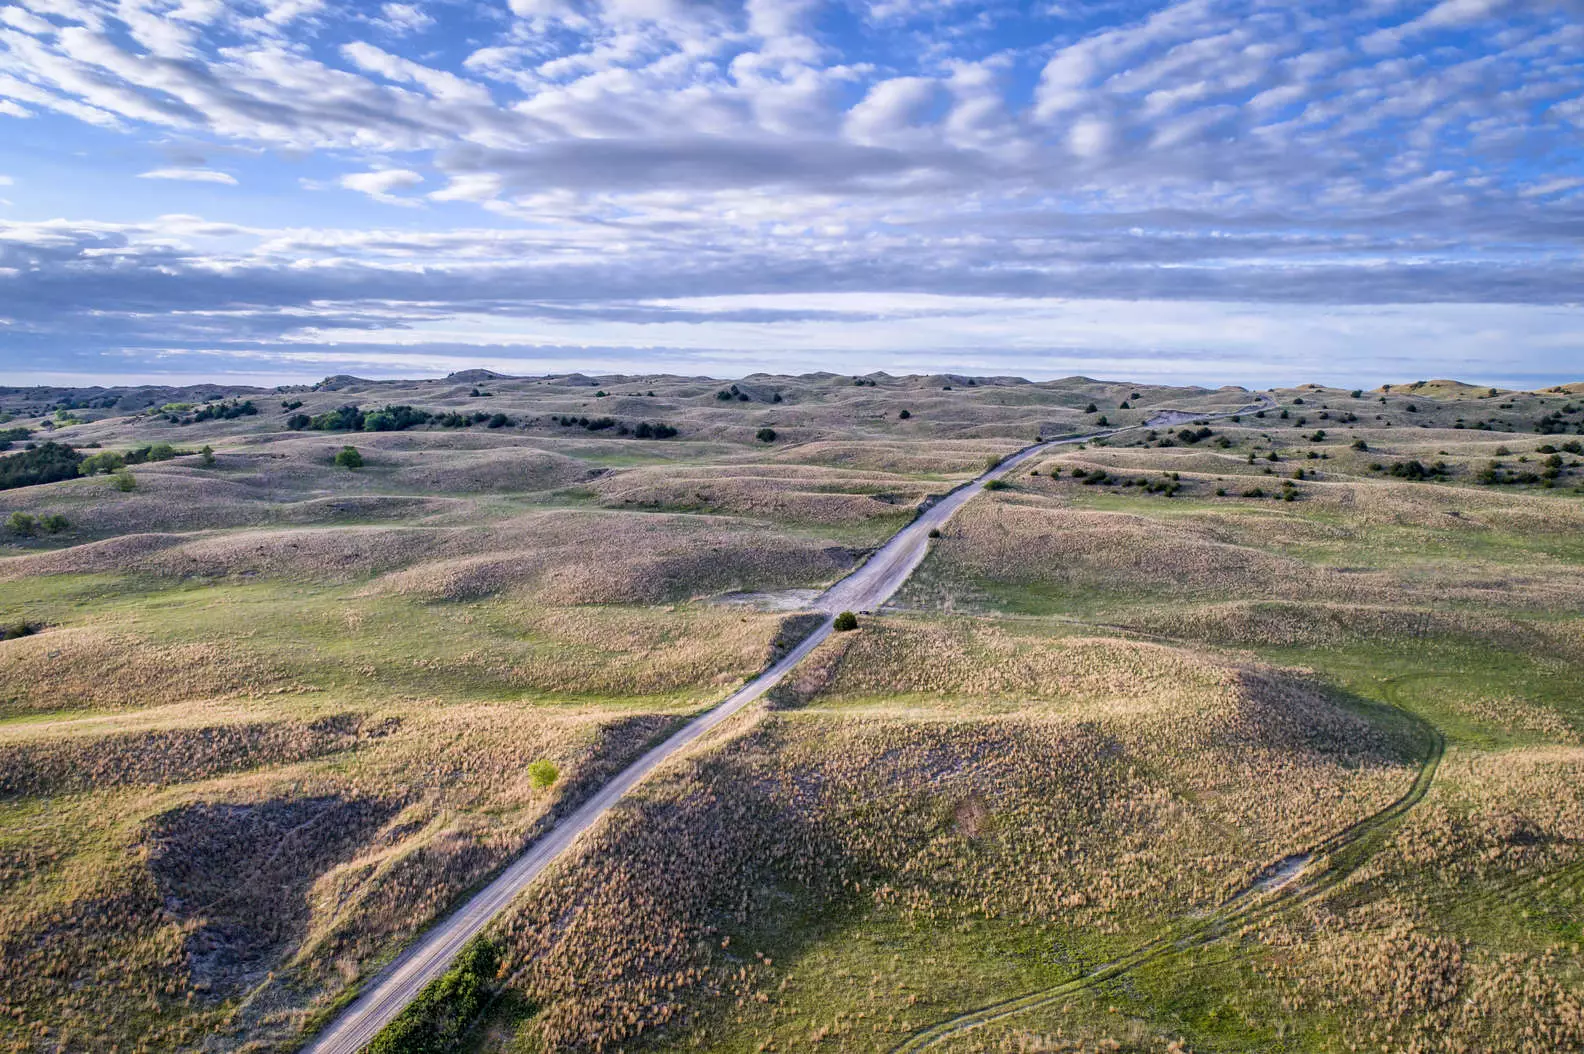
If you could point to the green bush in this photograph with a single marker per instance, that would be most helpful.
(766, 435)
(54, 523)
(348, 457)
(996, 484)
(45, 463)
(845, 622)
(22, 523)
(123, 481)
(207, 456)
(543, 773)
(934, 532)
(438, 1020)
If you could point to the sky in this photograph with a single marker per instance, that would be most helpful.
(1208, 191)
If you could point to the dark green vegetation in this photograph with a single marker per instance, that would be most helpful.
(443, 1014)
(1136, 758)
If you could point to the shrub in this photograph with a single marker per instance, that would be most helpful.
(1359, 444)
(297, 422)
(206, 456)
(1091, 408)
(22, 523)
(395, 419)
(222, 412)
(934, 532)
(13, 435)
(501, 421)
(766, 435)
(19, 628)
(46, 463)
(108, 461)
(996, 484)
(904, 415)
(440, 1017)
(846, 622)
(645, 430)
(344, 419)
(1101, 420)
(54, 523)
(124, 481)
(543, 773)
(348, 457)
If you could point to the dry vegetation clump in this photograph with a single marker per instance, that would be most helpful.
(1087, 555)
(774, 493)
(108, 555)
(1014, 541)
(1276, 623)
(157, 757)
(491, 469)
(1415, 952)
(587, 651)
(235, 875)
(936, 457)
(611, 557)
(76, 667)
(1131, 805)
(1138, 1040)
(1230, 726)
(230, 907)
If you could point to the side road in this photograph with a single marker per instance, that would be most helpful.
(865, 589)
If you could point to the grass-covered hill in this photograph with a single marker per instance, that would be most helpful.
(1237, 734)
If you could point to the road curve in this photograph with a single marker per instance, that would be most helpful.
(865, 589)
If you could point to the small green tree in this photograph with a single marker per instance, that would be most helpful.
(905, 414)
(543, 773)
(207, 456)
(348, 457)
(846, 622)
(766, 435)
(54, 523)
(22, 523)
(123, 480)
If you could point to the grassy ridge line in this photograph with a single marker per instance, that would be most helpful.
(421, 966)
(1339, 854)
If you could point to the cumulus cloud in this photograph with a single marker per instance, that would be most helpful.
(574, 163)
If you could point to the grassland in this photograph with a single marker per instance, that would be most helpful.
(1149, 751)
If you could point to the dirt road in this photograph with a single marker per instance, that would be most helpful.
(865, 589)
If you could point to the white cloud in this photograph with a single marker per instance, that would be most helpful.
(404, 18)
(191, 175)
(379, 184)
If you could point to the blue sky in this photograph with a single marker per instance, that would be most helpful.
(1212, 191)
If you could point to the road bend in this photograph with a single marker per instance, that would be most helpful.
(866, 589)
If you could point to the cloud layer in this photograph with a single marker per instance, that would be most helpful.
(663, 180)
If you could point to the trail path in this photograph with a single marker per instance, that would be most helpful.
(1284, 884)
(865, 589)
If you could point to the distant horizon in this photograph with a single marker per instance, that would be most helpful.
(1184, 190)
(185, 381)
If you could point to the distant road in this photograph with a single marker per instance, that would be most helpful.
(864, 590)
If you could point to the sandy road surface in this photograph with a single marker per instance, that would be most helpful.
(865, 589)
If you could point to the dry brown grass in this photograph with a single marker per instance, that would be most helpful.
(1497, 840)
(1112, 791)
(229, 905)
(79, 667)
